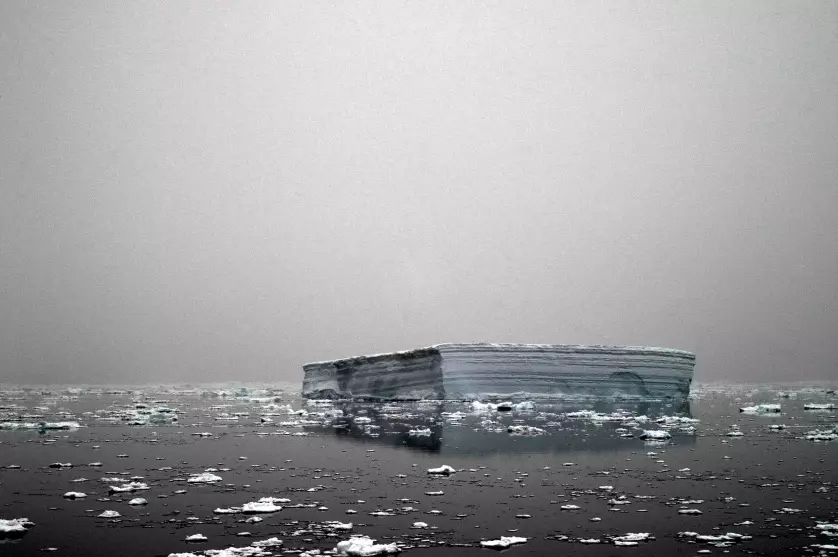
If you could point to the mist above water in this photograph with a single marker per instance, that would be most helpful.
(216, 193)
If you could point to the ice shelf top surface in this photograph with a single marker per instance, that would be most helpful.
(489, 346)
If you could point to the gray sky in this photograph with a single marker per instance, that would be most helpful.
(201, 191)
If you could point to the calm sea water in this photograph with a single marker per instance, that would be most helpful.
(571, 478)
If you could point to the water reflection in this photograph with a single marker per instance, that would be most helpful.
(470, 429)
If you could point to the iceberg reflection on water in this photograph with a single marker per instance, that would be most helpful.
(480, 428)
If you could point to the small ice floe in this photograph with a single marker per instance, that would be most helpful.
(631, 539)
(503, 542)
(128, 488)
(254, 519)
(337, 525)
(676, 421)
(689, 511)
(570, 507)
(265, 505)
(721, 540)
(734, 433)
(60, 465)
(820, 406)
(823, 435)
(434, 493)
(443, 470)
(14, 527)
(196, 538)
(270, 542)
(138, 501)
(525, 430)
(109, 514)
(43, 426)
(75, 495)
(788, 510)
(761, 409)
(777, 427)
(382, 513)
(204, 478)
(420, 432)
(419, 525)
(364, 546)
(655, 435)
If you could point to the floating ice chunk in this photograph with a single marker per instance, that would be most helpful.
(138, 501)
(337, 525)
(196, 538)
(260, 507)
(14, 527)
(503, 542)
(442, 470)
(526, 430)
(109, 514)
(419, 525)
(270, 542)
(434, 493)
(420, 432)
(75, 495)
(689, 511)
(569, 507)
(60, 465)
(589, 540)
(655, 434)
(524, 406)
(819, 406)
(363, 546)
(823, 435)
(128, 488)
(631, 538)
(40, 425)
(761, 409)
(205, 477)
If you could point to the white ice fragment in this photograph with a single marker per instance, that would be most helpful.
(128, 487)
(138, 501)
(196, 538)
(109, 514)
(820, 406)
(420, 432)
(442, 470)
(75, 495)
(526, 430)
(419, 525)
(655, 434)
(204, 477)
(503, 542)
(761, 409)
(260, 507)
(689, 511)
(363, 546)
(14, 526)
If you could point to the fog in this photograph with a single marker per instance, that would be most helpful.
(205, 191)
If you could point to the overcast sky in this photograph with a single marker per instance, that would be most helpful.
(205, 191)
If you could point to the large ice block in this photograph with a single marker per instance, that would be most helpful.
(483, 370)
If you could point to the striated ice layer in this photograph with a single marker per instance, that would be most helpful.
(476, 371)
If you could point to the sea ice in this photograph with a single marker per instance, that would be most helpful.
(15, 526)
(363, 546)
(503, 542)
(761, 409)
(205, 477)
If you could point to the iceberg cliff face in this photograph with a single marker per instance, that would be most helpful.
(473, 371)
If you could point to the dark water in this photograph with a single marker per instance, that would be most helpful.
(772, 488)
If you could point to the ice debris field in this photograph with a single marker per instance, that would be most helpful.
(259, 471)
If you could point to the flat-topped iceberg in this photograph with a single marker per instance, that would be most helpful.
(505, 371)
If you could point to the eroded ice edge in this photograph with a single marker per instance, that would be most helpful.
(486, 371)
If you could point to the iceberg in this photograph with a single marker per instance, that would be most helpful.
(505, 371)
